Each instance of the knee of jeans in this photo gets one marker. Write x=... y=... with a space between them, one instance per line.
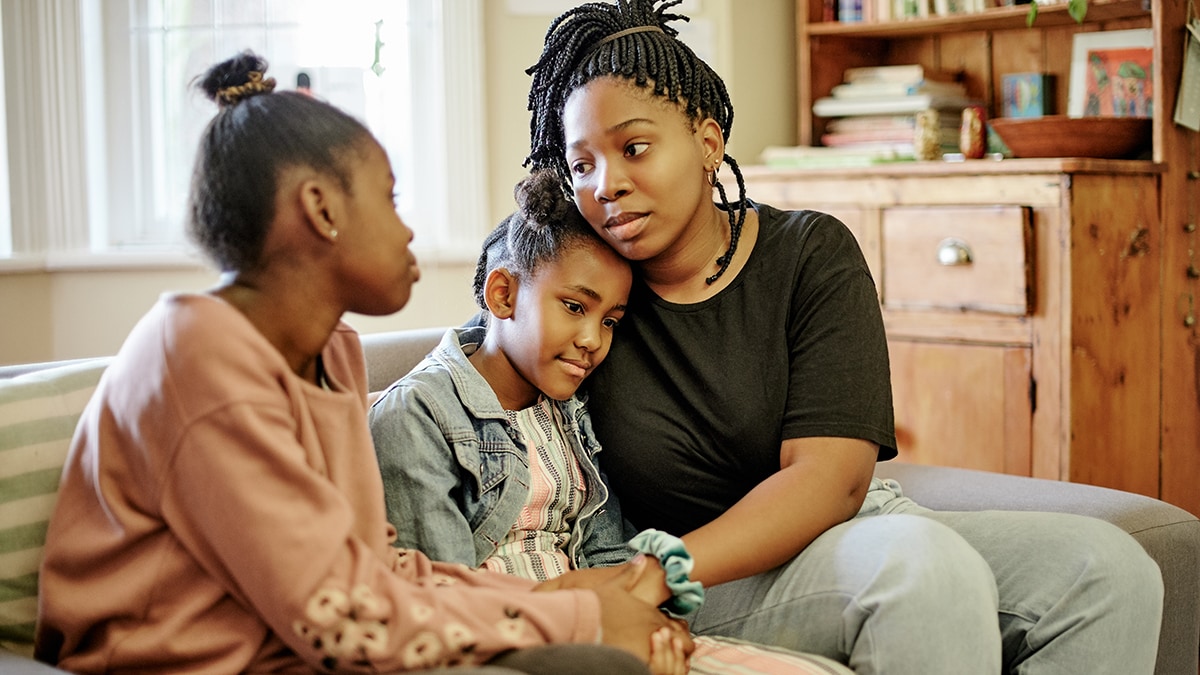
x=1108 y=555
x=929 y=562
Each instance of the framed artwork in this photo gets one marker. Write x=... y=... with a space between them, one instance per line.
x=1112 y=74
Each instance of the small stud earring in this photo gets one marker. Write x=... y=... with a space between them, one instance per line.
x=333 y=233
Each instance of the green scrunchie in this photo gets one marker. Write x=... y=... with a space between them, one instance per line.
x=686 y=595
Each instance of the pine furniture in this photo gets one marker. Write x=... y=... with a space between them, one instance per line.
x=1067 y=348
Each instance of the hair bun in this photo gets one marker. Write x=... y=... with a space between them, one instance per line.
x=540 y=198
x=236 y=79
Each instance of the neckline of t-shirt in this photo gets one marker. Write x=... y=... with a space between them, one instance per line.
x=740 y=279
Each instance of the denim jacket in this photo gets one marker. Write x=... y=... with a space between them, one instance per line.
x=454 y=477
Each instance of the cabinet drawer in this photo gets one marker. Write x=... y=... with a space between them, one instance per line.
x=958 y=257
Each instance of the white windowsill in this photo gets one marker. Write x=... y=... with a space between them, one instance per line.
x=176 y=259
x=88 y=261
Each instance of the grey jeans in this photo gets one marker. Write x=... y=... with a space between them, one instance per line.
x=903 y=589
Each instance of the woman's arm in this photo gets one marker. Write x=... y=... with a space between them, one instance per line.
x=836 y=337
x=821 y=482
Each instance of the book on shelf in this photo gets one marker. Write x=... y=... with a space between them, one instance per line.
x=908 y=72
x=885 y=122
x=897 y=88
x=879 y=11
x=949 y=136
x=850 y=11
x=817 y=157
x=828 y=106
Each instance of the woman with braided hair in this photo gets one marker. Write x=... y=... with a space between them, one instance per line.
x=221 y=510
x=747 y=399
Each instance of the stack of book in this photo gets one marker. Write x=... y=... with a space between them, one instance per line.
x=876 y=107
x=820 y=157
x=877 y=11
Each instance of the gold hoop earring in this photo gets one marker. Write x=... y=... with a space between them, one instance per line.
x=711 y=176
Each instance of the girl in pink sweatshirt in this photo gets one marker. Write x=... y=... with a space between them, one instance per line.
x=221 y=509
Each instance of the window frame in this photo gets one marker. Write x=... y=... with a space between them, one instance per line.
x=58 y=219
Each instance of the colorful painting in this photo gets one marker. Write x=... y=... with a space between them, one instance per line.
x=1120 y=83
x=1111 y=74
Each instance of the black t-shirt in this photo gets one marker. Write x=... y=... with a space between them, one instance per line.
x=694 y=401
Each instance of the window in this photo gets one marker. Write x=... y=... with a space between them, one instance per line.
x=5 y=210
x=125 y=139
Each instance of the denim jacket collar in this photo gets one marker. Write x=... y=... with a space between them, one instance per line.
x=476 y=394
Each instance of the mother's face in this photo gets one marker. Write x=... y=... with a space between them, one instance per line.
x=637 y=166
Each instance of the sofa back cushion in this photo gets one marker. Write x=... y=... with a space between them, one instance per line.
x=38 y=413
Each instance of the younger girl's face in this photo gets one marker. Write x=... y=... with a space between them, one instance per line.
x=563 y=319
x=637 y=166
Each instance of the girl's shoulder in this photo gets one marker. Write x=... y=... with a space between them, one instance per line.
x=445 y=381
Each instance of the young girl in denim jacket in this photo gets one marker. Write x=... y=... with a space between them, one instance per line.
x=487 y=453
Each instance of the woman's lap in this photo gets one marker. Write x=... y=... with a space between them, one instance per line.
x=905 y=589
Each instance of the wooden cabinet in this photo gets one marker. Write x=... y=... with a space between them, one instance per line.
x=1023 y=305
x=1043 y=316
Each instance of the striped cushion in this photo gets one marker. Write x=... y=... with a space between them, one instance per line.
x=38 y=412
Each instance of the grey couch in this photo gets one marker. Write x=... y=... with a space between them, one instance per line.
x=1169 y=534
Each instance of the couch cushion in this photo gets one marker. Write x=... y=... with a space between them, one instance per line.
x=38 y=413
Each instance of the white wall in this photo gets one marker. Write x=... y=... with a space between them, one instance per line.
x=77 y=313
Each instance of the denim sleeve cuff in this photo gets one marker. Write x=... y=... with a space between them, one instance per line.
x=686 y=595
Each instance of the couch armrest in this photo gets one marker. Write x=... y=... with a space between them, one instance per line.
x=1169 y=534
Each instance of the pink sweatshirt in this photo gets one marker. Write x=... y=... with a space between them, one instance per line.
x=218 y=514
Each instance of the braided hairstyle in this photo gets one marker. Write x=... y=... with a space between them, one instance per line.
x=255 y=135
x=629 y=39
x=545 y=225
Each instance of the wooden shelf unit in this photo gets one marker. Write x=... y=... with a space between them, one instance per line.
x=1097 y=377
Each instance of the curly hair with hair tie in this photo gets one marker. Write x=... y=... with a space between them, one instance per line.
x=255 y=134
x=628 y=39
x=545 y=225
x=254 y=84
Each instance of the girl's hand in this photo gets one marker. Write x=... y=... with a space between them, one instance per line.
x=650 y=586
x=668 y=652
x=590 y=577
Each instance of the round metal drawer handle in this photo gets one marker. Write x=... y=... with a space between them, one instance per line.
x=953 y=251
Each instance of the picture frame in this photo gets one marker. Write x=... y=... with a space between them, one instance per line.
x=1111 y=74
x=1027 y=94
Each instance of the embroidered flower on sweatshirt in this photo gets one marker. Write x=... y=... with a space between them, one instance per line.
x=345 y=626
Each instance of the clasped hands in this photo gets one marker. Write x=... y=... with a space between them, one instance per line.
x=629 y=616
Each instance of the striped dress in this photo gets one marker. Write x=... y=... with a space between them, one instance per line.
x=535 y=547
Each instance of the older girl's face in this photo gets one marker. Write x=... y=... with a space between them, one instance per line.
x=381 y=267
x=637 y=167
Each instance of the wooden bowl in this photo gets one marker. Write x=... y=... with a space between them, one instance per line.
x=1062 y=136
